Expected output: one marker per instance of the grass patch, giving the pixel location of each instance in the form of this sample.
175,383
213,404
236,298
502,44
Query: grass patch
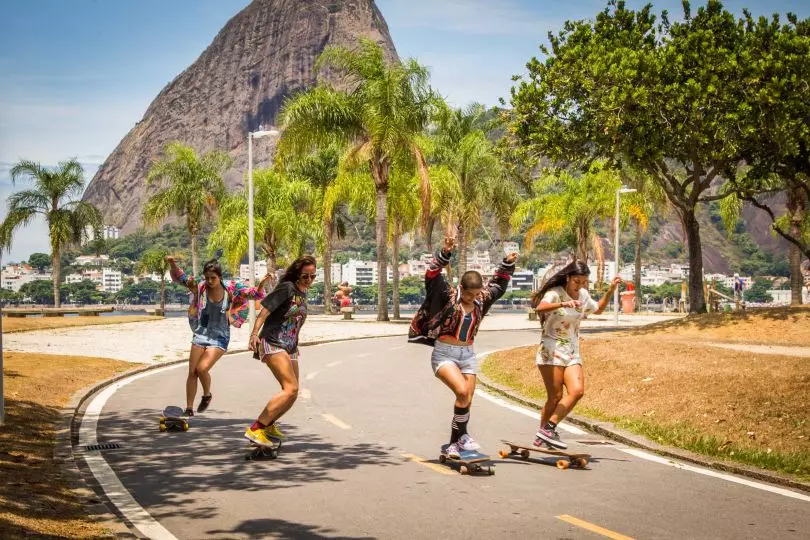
35,500
746,407
28,324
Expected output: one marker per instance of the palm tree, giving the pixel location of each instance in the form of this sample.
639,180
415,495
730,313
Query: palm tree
404,211
153,261
282,209
471,174
386,107
56,197
190,186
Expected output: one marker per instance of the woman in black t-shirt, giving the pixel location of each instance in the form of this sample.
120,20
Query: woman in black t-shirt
283,314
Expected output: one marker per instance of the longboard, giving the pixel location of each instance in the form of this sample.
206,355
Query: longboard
577,461
260,451
468,462
173,418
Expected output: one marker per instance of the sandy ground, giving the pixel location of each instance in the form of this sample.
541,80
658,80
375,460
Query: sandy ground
170,339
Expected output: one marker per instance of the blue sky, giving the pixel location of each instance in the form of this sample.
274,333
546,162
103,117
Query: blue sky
76,75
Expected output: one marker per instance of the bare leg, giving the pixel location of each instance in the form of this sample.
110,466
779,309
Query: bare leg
553,380
191,380
574,381
285,371
209,358
462,385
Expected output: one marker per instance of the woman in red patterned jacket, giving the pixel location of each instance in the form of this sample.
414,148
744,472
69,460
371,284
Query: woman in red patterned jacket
448,320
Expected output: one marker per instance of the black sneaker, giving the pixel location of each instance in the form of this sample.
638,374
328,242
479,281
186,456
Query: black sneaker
188,412
204,403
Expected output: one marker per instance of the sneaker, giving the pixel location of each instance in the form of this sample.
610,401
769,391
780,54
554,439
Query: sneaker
451,450
273,432
258,437
550,437
188,412
204,403
468,444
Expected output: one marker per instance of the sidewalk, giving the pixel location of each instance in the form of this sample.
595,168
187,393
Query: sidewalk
170,339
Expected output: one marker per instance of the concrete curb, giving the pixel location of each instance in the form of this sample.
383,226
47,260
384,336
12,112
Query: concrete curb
608,430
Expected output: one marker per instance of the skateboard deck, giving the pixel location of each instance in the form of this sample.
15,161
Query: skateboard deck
173,418
468,462
259,451
566,459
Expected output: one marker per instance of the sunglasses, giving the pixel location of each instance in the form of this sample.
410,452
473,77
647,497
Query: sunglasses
308,276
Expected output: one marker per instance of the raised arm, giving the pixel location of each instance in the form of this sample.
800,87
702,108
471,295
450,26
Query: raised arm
497,284
603,302
435,284
179,276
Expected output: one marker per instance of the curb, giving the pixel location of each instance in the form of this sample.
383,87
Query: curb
608,430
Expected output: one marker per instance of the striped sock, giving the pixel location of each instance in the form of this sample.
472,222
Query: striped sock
461,415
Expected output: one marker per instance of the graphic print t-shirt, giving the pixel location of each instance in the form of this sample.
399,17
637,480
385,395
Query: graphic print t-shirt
562,324
288,311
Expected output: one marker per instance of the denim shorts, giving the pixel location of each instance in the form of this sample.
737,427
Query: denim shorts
462,356
268,349
201,340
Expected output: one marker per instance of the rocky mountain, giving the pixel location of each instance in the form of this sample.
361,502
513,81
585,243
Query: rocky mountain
262,55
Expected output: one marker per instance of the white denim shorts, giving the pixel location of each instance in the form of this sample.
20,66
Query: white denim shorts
461,356
557,353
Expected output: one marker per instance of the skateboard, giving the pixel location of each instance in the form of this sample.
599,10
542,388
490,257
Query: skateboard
258,451
173,418
468,462
566,459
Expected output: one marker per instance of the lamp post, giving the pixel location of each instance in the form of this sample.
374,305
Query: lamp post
619,191
251,247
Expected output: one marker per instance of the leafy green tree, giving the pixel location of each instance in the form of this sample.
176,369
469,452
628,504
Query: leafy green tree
758,292
9,297
382,108
40,291
56,197
188,185
83,292
153,261
672,104
40,261
145,291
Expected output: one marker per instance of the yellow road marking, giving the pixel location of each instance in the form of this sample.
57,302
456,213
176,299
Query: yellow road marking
422,461
593,528
337,421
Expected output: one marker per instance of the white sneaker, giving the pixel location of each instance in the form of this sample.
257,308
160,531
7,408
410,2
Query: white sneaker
468,444
451,450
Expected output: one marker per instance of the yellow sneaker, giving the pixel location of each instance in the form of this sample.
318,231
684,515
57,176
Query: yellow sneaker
258,436
273,431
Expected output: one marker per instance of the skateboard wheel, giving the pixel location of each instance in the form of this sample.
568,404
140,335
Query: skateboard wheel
582,463
562,464
504,454
163,427
524,454
442,458
491,470
185,427
463,469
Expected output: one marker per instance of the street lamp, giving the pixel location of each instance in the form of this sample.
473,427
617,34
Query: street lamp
251,248
619,191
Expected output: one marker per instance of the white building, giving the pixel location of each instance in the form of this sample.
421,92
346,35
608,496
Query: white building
91,260
523,280
479,261
336,274
14,276
511,247
111,280
259,267
362,273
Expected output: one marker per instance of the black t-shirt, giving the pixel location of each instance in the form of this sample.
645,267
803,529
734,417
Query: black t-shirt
288,311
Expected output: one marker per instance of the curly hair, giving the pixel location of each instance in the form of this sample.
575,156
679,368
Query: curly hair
293,272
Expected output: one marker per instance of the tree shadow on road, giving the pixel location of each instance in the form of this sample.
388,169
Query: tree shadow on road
282,529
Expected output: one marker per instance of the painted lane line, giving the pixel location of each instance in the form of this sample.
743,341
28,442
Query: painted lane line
593,528
526,412
311,376
104,474
305,393
396,348
714,474
335,363
336,421
432,466
363,355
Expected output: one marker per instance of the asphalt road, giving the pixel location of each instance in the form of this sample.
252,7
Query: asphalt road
361,462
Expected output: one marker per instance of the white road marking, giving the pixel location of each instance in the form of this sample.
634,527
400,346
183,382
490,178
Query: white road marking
397,348
336,421
526,412
333,364
715,474
311,376
363,355
109,482
305,393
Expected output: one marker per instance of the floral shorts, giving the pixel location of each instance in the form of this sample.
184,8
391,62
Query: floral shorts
557,353
268,349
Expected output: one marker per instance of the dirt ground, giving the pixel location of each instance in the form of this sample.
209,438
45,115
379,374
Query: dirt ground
34,498
25,324
744,406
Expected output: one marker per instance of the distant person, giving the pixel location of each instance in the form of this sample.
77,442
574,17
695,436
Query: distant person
215,306
562,302
739,287
449,319
274,341
343,296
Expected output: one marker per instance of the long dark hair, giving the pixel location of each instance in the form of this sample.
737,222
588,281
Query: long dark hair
293,272
575,268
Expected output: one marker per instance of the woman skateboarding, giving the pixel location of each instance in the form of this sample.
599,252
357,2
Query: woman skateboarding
562,302
215,306
449,319
274,340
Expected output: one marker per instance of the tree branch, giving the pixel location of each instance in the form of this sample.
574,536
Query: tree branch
803,246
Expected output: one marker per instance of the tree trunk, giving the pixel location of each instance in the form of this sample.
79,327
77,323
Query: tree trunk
697,301
431,224
583,234
796,213
163,293
637,274
328,228
56,268
379,171
395,271
195,261
462,250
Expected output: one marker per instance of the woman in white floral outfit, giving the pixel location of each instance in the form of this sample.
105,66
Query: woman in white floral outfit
562,302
